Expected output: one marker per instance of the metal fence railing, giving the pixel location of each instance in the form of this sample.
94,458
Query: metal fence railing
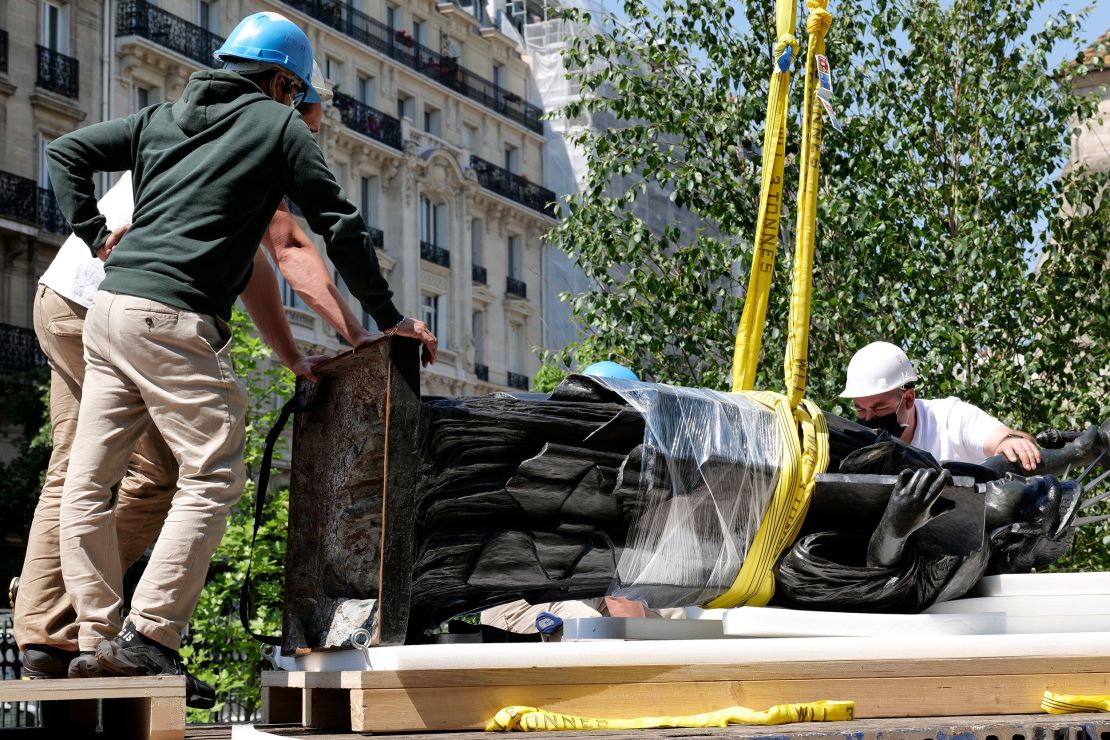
144,19
57,72
14,713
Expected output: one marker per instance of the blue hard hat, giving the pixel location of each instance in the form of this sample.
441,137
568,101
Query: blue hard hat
272,38
607,369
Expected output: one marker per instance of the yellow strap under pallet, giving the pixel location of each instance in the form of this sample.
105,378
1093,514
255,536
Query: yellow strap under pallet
530,719
1071,704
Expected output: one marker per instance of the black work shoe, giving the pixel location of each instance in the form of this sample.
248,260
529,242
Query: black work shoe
131,653
46,661
198,694
85,665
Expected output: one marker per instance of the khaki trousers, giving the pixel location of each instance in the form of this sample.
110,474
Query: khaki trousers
43,613
147,362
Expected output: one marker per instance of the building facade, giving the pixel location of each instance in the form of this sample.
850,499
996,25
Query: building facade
430,133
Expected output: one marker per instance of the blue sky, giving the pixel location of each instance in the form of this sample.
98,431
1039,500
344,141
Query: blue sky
1096,24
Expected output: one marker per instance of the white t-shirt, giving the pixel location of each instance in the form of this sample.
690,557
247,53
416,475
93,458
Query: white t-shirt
951,429
75,274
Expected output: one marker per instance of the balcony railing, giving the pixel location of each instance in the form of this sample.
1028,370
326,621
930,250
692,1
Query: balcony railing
518,381
3,50
432,253
478,274
445,70
368,121
516,287
21,199
57,72
19,349
513,187
141,18
376,237
481,371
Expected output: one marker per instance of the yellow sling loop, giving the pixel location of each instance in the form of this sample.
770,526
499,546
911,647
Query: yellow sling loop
531,719
802,425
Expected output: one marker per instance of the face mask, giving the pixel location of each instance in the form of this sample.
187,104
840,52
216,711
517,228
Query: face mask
887,422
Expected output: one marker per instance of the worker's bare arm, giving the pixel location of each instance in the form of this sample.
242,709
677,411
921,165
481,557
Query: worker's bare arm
304,269
263,301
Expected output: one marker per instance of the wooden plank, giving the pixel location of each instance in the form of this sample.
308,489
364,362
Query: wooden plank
461,677
465,708
92,688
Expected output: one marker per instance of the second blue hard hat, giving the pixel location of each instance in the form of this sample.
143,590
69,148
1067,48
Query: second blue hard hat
607,369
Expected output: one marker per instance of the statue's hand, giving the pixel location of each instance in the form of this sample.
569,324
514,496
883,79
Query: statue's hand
913,503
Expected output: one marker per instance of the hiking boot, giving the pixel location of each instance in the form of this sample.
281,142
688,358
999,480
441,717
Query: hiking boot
132,653
46,661
85,665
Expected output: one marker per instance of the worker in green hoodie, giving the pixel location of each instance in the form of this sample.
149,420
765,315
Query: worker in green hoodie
209,172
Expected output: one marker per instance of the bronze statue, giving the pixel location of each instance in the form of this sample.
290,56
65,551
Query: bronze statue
533,496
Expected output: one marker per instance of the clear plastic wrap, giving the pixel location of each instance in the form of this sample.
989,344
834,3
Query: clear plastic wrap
708,470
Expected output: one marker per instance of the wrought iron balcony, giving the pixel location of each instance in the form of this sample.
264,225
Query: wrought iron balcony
21,199
3,50
376,237
432,253
19,349
481,371
478,274
518,381
397,44
141,18
57,72
516,287
368,121
513,187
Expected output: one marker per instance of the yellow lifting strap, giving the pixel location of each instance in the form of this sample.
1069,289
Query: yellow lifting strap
750,334
802,425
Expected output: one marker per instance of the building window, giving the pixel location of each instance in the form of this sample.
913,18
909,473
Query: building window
498,75
431,121
433,222
146,96
404,107
55,27
208,15
392,16
515,355
476,228
478,327
512,159
419,30
333,70
433,313
516,267
366,90
289,297
470,137
44,172
368,197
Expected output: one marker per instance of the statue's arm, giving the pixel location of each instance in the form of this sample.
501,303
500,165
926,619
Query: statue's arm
913,503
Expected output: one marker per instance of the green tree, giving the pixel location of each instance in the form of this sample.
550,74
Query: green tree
219,650
25,422
947,182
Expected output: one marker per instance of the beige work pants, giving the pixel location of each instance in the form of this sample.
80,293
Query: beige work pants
43,613
147,361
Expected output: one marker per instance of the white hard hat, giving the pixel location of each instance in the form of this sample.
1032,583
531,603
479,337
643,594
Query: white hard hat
320,84
877,368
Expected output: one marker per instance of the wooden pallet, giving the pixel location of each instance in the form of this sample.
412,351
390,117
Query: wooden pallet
465,699
147,708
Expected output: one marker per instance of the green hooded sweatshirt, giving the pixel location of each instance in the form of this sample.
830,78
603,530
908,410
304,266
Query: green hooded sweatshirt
209,171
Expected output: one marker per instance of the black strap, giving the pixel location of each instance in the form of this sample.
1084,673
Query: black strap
246,593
